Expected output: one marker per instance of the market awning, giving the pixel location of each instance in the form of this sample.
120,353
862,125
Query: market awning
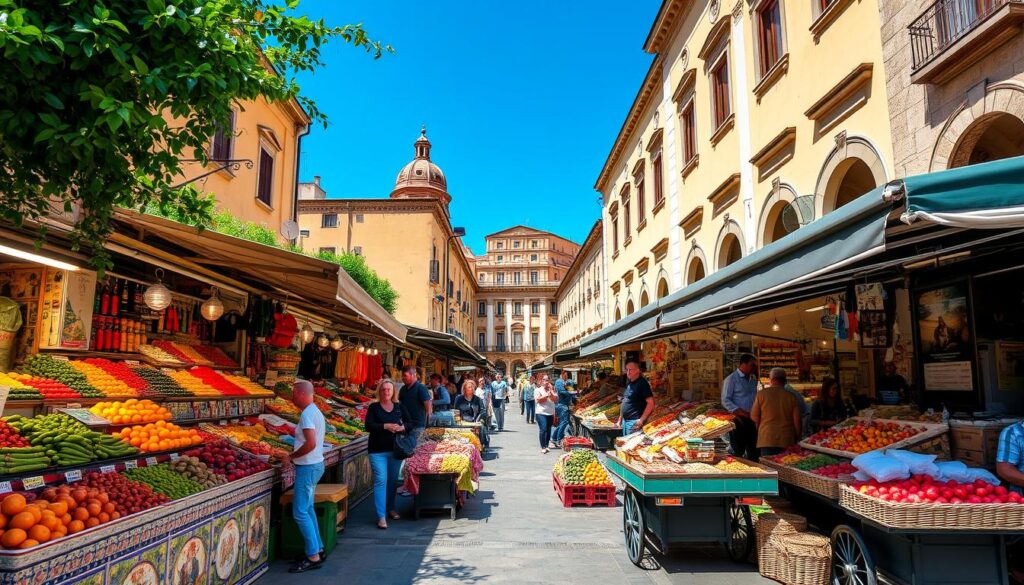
444,344
847,235
985,196
323,286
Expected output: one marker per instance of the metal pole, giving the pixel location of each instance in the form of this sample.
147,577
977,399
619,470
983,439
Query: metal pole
444,307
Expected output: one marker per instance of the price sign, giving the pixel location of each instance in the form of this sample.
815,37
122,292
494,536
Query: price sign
31,483
131,362
59,358
174,456
73,475
5,391
5,486
108,469
151,461
84,416
131,464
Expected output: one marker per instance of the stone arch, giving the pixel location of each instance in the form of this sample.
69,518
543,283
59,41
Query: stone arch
852,164
696,266
769,226
967,126
662,290
730,246
517,366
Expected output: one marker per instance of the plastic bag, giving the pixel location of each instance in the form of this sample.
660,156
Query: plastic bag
952,470
881,467
861,476
976,473
918,463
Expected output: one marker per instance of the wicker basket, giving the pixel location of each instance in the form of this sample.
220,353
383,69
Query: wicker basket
778,504
933,516
804,558
812,482
768,561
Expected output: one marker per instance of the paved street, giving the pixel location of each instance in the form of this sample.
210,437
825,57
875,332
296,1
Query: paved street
513,531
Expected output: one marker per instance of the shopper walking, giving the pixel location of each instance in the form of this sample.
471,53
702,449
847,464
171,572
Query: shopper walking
499,393
545,397
483,391
637,399
529,388
566,398
417,402
777,416
384,419
442,399
738,391
308,459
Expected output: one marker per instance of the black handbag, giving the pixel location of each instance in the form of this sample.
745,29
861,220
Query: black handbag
405,445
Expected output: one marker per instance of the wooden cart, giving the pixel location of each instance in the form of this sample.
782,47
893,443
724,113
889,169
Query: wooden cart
661,510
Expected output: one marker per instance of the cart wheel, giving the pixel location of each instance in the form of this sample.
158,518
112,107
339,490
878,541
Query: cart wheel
851,561
633,527
741,527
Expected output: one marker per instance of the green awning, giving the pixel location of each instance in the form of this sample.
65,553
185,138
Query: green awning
444,344
982,196
624,331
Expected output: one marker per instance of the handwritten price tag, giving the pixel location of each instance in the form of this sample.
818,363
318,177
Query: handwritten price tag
108,469
174,456
73,475
5,486
31,483
132,464
150,461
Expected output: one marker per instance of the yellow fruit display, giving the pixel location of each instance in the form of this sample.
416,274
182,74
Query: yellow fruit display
192,383
595,474
131,411
103,381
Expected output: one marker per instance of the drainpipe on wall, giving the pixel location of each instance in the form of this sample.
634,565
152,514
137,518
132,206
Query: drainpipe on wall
299,135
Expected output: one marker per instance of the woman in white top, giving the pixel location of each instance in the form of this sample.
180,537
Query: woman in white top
545,397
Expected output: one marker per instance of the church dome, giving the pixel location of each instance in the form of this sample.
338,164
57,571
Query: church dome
421,178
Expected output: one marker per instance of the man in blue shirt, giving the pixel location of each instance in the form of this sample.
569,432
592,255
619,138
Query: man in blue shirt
637,400
563,386
1010,456
442,399
415,400
738,392
499,391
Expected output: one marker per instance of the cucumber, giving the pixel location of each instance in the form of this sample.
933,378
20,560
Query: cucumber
25,468
16,450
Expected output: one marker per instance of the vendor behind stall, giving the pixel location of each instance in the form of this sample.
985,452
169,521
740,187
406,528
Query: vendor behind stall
890,387
738,391
637,400
777,416
828,408
1010,456
442,398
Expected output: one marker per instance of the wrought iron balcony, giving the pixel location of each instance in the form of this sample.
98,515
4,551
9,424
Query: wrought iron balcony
951,35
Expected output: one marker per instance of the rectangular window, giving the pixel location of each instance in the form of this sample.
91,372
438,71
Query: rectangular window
500,245
533,243
499,278
501,309
304,233
265,181
499,339
533,257
533,277
534,341
223,140
481,277
656,167
481,308
329,220
554,340
554,308
689,123
328,250
535,308
516,258
517,341
640,196
625,215
720,91
359,218
481,340
501,258
769,34
516,244
615,232
517,277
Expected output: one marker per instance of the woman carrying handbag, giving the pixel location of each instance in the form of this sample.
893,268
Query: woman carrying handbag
386,423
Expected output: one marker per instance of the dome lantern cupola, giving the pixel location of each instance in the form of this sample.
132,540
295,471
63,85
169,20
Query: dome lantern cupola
421,178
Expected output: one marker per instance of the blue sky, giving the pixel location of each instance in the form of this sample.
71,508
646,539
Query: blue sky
522,101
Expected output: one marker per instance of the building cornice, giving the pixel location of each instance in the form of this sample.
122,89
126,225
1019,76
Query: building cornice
665,22
594,239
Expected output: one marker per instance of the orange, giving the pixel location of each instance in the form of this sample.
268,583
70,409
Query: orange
65,519
3,521
109,507
58,508
50,523
23,520
13,504
76,526
104,517
115,515
39,533
102,497
92,522
81,514
29,543
13,537
94,509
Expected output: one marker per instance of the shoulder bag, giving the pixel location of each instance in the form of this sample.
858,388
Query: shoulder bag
405,443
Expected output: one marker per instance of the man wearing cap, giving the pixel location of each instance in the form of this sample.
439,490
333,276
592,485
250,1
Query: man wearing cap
308,458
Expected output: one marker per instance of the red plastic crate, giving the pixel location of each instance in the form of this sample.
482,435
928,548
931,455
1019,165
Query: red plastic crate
587,495
570,443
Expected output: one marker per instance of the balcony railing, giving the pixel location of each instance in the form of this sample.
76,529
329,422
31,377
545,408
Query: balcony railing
527,282
515,348
945,22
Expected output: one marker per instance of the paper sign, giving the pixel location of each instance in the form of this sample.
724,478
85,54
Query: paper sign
151,461
174,456
131,362
31,483
108,469
5,486
5,391
73,475
131,464
85,417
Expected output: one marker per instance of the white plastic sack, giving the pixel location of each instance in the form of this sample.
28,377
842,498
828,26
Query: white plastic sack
861,476
918,463
881,467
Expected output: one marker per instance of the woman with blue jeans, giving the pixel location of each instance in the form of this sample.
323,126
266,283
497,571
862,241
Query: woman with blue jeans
308,459
384,419
544,397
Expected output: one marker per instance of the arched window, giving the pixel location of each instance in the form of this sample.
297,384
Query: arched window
662,288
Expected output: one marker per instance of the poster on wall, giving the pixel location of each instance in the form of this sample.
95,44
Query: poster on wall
874,330
945,334
870,297
1010,365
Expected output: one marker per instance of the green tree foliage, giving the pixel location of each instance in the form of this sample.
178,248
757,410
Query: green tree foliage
378,288
89,86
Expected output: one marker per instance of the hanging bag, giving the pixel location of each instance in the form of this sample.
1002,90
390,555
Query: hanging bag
405,442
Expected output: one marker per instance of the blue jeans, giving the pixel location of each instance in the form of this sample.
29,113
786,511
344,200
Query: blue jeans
531,410
563,423
306,478
385,481
627,426
544,427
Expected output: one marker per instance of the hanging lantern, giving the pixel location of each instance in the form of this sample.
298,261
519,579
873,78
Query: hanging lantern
157,296
322,341
361,349
775,325
306,333
213,308
336,343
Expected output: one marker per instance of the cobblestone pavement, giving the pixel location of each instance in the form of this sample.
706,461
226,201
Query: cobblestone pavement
514,530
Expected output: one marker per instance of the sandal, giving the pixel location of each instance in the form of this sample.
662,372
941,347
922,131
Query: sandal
382,524
394,515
